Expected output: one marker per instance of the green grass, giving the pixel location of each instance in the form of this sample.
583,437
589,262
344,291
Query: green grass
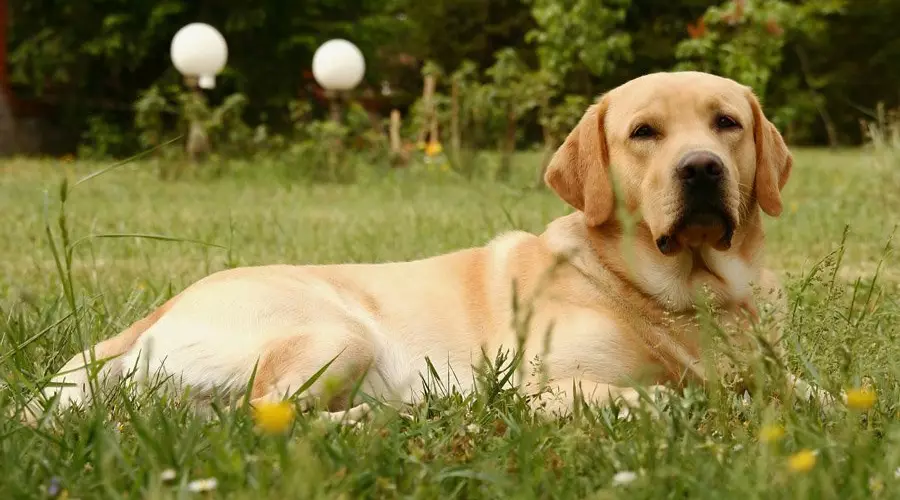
843,331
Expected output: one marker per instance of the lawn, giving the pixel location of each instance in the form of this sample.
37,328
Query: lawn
831,246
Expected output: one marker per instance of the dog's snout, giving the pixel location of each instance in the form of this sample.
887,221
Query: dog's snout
700,167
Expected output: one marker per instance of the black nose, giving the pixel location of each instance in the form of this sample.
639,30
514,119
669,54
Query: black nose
700,167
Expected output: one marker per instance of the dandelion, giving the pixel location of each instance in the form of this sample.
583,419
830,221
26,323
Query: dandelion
274,418
434,148
876,485
202,485
771,433
624,477
860,399
802,461
167,475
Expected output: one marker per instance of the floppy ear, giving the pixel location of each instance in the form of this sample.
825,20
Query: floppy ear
773,161
579,170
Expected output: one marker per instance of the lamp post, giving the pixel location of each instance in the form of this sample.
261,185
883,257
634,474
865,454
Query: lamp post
338,66
199,53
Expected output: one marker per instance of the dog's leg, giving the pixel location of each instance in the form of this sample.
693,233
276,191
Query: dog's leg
352,416
75,375
563,396
773,296
773,303
71,383
290,363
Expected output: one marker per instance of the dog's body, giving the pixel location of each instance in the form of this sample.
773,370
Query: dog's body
694,159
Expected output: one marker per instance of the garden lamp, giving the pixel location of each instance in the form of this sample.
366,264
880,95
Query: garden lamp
199,51
338,66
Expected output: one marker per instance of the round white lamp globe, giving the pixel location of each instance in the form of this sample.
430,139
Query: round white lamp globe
338,65
199,50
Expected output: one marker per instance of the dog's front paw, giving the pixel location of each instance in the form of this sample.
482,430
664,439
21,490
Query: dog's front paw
657,396
806,392
354,417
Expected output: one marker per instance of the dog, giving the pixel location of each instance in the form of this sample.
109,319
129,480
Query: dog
669,176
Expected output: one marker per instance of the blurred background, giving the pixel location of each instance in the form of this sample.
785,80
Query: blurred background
94,79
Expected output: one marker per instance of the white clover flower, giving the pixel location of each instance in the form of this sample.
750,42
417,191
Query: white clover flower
167,475
624,477
202,485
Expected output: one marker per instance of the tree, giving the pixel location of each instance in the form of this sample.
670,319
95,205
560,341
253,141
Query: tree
746,41
579,39
820,65
517,90
7,121
93,59
449,32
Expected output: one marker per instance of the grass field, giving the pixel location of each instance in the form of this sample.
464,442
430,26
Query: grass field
844,331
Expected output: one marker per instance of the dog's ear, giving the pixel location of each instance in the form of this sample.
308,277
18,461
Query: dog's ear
579,170
773,160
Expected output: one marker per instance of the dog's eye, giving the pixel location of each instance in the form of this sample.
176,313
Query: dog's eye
644,132
725,122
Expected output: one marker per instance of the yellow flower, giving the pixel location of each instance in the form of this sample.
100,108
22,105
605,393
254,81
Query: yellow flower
274,418
802,461
794,207
434,148
771,433
860,399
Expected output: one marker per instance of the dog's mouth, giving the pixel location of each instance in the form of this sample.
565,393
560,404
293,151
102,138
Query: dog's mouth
693,230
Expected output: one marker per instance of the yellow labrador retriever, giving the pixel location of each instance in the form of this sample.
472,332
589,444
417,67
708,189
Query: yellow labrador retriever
689,159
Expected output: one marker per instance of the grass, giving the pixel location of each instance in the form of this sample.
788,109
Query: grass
843,331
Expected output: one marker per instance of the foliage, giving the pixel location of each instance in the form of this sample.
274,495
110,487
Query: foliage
148,116
453,31
572,33
745,40
494,108
516,92
820,65
883,132
101,139
158,109
333,152
103,54
562,118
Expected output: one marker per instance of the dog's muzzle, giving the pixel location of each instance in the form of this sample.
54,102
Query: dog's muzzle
704,218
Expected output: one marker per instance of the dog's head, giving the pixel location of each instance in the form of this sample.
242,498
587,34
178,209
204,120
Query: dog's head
692,154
